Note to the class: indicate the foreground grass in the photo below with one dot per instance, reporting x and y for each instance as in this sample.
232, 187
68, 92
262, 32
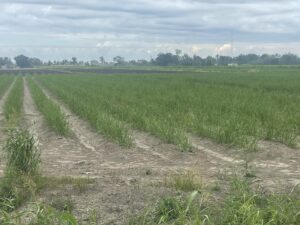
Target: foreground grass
52, 113
241, 206
238, 107
14, 103
22, 181
21, 171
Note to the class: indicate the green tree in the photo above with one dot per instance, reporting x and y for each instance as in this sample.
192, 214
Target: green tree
23, 61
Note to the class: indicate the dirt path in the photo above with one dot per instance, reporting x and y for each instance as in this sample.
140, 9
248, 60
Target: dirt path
2, 126
275, 165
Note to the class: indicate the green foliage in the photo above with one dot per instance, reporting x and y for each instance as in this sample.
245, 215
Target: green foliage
14, 103
21, 172
99, 118
114, 129
188, 181
175, 211
230, 105
242, 206
17, 189
38, 214
22, 155
246, 207
52, 113
62, 204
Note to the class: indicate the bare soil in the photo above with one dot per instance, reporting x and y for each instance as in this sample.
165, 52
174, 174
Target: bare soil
126, 180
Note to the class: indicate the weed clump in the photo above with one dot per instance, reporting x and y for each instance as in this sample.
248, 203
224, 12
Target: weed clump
23, 156
188, 181
21, 172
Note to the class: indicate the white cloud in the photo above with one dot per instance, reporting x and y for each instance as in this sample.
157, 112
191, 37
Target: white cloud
225, 49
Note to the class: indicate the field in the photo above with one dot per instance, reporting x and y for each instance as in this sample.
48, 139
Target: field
152, 145
236, 108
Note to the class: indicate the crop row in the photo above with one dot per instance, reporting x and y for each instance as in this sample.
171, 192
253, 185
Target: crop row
5, 82
230, 109
52, 113
14, 103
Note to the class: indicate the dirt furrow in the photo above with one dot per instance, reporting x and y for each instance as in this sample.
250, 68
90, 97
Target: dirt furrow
198, 144
274, 164
2, 126
145, 154
60, 156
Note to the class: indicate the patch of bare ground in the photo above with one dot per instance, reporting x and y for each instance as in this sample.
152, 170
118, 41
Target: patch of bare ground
274, 165
2, 126
278, 164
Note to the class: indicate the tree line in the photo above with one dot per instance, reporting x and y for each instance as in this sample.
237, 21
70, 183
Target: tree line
162, 59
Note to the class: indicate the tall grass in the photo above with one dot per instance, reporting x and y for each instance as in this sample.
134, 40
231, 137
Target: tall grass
14, 104
52, 113
230, 106
21, 168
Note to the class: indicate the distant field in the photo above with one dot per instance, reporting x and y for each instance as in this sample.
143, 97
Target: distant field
237, 106
98, 139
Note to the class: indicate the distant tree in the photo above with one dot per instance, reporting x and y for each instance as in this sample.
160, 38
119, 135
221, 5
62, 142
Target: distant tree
102, 60
23, 61
94, 63
198, 61
133, 62
178, 52
142, 62
186, 60
210, 61
166, 59
5, 61
118, 60
289, 59
35, 62
64, 62
224, 60
74, 60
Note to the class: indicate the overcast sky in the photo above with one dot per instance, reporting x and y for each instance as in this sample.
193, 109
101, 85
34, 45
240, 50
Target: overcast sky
88, 29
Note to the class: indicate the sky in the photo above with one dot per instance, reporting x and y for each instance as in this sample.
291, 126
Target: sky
136, 29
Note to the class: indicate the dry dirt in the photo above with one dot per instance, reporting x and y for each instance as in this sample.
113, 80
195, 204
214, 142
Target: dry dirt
125, 180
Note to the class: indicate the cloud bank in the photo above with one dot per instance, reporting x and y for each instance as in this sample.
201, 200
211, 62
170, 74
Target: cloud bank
57, 29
